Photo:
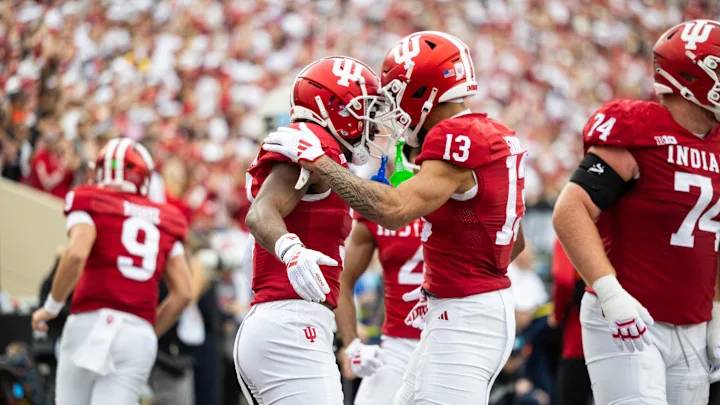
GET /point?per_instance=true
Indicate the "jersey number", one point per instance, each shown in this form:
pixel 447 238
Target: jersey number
pixel 602 126
pixel 516 171
pixel 406 276
pixel 147 249
pixel 463 147
pixel 684 235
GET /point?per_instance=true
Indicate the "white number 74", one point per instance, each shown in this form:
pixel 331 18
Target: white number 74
pixel 684 235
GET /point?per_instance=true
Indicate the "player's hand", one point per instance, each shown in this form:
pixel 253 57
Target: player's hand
pixel 364 359
pixel 713 337
pixel 628 319
pixel 40 318
pixel 303 267
pixel 416 316
pixel 295 144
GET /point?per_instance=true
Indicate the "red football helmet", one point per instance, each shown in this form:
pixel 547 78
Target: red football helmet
pixel 339 93
pixel 687 57
pixel 422 70
pixel 125 164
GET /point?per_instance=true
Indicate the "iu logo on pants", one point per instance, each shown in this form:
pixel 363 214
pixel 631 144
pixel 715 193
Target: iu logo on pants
pixel 310 334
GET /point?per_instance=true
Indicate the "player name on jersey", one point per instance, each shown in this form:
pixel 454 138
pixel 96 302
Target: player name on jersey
pixel 691 157
pixel 150 214
pixel 409 230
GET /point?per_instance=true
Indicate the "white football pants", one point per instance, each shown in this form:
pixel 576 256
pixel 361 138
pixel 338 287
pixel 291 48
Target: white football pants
pixel 380 388
pixel 463 348
pixel 105 358
pixel 673 371
pixel 284 354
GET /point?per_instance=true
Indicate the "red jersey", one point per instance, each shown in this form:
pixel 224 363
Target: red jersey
pixel 468 241
pixel 401 256
pixel 661 236
pixel 135 238
pixel 321 221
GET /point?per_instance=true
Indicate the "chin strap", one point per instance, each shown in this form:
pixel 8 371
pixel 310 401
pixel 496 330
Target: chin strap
pixel 424 112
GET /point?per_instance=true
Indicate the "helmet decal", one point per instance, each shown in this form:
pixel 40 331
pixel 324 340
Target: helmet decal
pixel 695 32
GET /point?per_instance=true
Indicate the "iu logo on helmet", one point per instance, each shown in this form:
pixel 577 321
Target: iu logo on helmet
pixel 695 32
pixel 347 70
pixel 407 50
pixel 310 334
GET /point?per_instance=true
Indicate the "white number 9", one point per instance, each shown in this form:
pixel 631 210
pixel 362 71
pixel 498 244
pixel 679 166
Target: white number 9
pixel 147 249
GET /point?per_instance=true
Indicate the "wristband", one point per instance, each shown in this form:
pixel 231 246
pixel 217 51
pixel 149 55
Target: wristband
pixel 284 245
pixel 51 306
pixel 606 287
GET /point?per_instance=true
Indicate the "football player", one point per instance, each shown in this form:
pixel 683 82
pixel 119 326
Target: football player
pixel 469 191
pixel 400 254
pixel 120 245
pixel 283 350
pixel 638 219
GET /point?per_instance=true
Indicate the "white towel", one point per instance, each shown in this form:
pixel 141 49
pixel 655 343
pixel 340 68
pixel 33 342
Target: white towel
pixel 94 354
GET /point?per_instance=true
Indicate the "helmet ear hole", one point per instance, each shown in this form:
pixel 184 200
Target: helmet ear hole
pixel 419 92
pixel 688 77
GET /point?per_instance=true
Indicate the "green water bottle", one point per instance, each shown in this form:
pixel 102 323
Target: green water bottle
pixel 401 173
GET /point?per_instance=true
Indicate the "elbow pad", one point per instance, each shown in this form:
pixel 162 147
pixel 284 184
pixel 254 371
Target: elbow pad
pixel 600 181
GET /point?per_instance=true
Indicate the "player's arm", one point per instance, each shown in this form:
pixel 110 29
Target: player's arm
pixel 358 253
pixel 276 199
pixel 519 244
pixel 603 177
pixel 178 280
pixel 713 327
pixel 81 240
pixel 391 207
pixel 576 210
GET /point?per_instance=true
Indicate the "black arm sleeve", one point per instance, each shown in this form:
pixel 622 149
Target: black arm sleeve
pixel 601 182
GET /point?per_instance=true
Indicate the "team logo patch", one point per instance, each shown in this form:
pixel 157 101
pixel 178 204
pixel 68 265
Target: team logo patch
pixel 310 334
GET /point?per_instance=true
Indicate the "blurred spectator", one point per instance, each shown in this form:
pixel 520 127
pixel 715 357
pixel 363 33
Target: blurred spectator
pixel 199 81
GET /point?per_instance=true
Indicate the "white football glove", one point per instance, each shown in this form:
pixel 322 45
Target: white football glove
pixel 416 316
pixel 713 337
pixel 628 319
pixel 364 359
pixel 303 267
pixel 295 144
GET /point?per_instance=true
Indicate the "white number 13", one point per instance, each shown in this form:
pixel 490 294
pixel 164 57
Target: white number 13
pixel 463 144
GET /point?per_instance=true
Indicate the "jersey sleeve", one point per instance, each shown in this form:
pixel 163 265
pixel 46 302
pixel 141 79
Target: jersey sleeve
pixel 619 123
pixel 79 199
pixel 173 222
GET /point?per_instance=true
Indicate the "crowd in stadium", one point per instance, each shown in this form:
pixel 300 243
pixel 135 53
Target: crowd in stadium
pixel 193 80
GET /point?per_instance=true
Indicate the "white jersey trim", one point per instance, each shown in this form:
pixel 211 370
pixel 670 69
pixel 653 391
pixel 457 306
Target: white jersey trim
pixel 78 217
pixel 317 197
pixel 468 195
pixel 177 249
